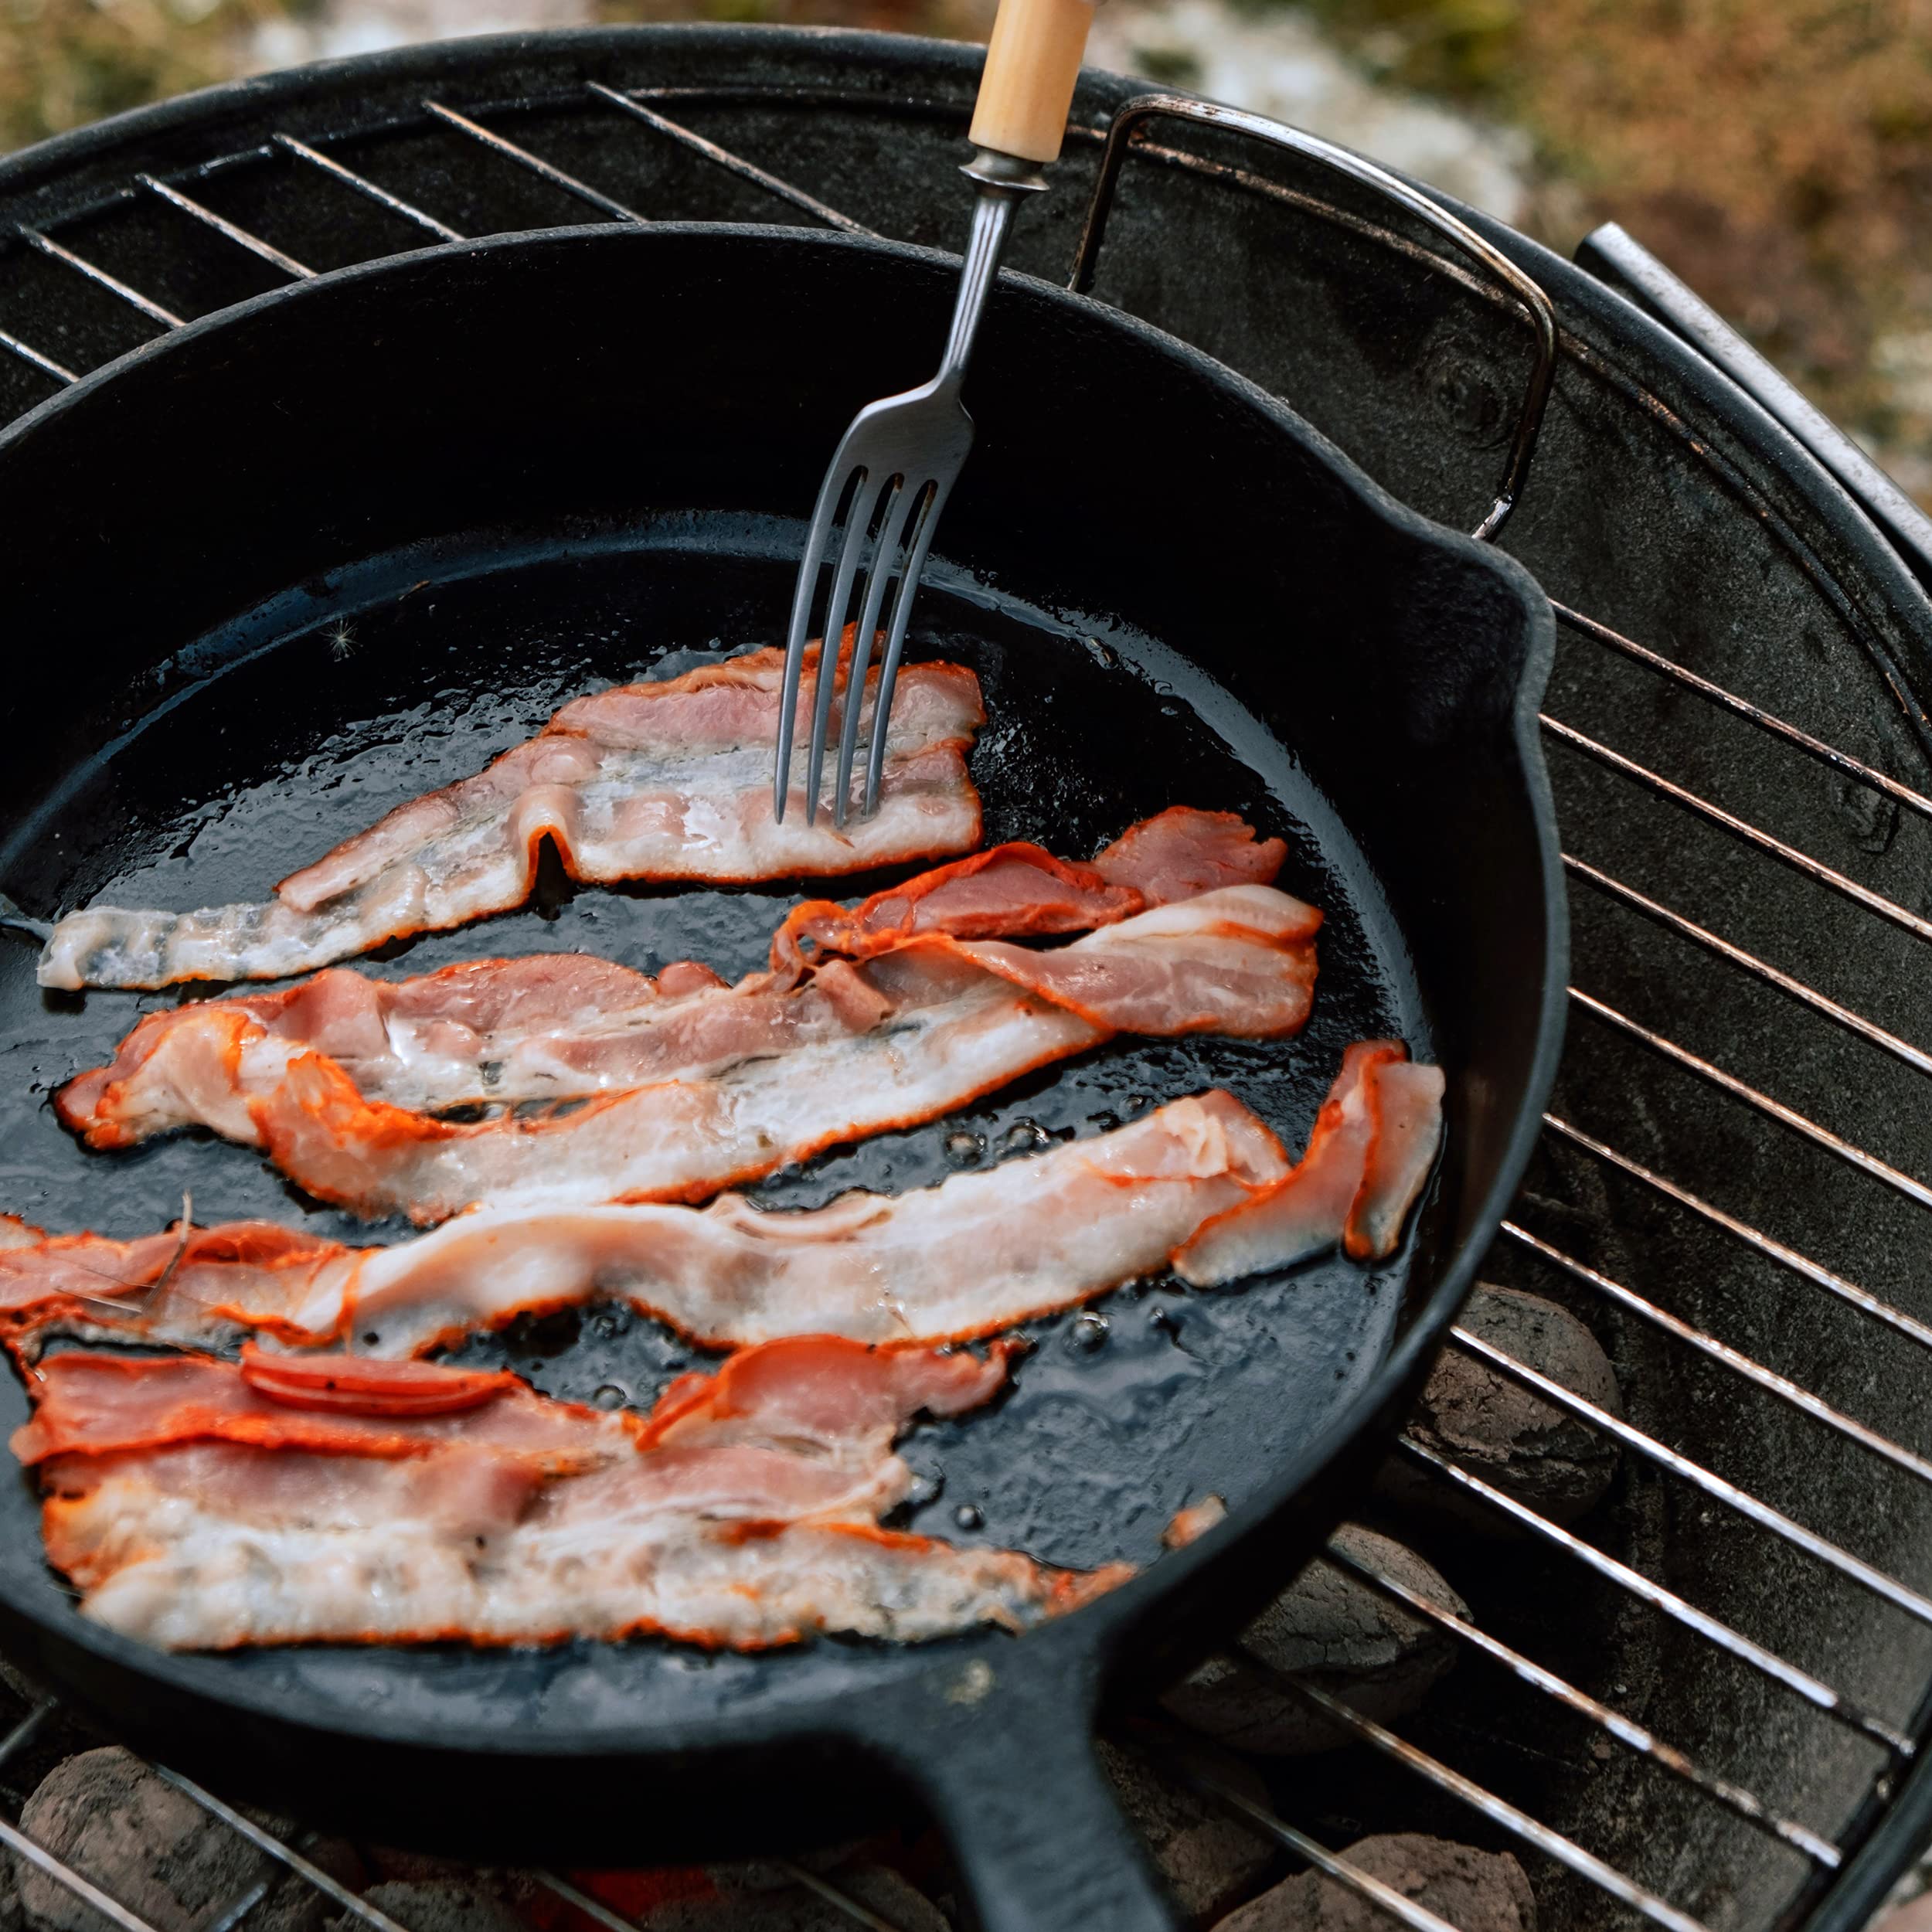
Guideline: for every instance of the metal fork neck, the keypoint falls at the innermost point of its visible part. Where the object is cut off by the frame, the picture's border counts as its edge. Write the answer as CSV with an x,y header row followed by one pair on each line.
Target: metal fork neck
x,y
1000,180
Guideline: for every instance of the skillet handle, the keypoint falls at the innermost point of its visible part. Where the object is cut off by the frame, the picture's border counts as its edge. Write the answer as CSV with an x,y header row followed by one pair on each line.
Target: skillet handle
x,y
1002,1753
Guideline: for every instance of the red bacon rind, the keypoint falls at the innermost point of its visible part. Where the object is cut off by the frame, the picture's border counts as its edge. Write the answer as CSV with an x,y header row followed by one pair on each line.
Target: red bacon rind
x,y
97,1405
1010,891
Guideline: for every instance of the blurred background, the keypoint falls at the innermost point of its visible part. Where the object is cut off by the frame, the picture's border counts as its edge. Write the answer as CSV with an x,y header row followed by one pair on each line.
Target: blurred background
x,y
1778,153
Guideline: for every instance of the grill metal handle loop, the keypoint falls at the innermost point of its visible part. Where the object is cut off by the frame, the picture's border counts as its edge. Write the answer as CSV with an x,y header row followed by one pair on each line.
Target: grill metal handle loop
x,y
1133,114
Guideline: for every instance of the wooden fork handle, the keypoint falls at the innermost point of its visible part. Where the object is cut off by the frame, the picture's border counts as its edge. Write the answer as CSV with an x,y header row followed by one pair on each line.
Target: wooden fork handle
x,y
1032,63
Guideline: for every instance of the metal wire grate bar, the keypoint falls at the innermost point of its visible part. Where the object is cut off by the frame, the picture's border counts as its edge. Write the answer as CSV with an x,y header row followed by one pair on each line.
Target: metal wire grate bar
x,y
1862,1299
267,252
1715,1486
591,1908
1761,1103
1402,1911
368,189
242,1907
100,278
1753,1371
1766,1663
723,157
833,1896
286,1855
1497,1811
1826,754
34,359
37,1855
535,163
1742,829
1635,1737
1867,1030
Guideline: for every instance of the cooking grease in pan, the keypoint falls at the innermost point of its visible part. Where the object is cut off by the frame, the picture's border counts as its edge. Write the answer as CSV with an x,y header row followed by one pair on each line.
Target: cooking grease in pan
x,y
412,674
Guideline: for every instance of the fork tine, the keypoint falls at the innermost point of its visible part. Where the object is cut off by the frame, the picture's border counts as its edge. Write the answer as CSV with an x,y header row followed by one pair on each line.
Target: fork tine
x,y
830,493
900,508
932,494
865,506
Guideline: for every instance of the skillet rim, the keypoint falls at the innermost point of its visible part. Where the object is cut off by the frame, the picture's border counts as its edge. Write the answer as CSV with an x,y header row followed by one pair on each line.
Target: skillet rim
x,y
1068,1650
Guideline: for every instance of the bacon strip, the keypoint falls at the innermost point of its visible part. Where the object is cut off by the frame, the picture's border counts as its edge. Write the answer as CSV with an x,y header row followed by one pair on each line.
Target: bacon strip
x,y
743,1511
1020,889
96,1405
1043,1234
1374,1143
1180,853
550,1026
945,1022
190,1287
565,1026
665,780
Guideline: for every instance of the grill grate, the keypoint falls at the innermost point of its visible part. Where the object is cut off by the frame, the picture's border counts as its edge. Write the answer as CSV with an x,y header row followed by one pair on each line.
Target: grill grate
x,y
281,174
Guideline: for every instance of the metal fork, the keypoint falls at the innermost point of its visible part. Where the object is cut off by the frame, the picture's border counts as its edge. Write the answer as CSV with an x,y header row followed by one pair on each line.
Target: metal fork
x,y
895,467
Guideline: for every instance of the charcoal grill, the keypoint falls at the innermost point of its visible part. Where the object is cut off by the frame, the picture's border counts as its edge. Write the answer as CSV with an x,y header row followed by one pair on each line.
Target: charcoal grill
x,y
1705,1705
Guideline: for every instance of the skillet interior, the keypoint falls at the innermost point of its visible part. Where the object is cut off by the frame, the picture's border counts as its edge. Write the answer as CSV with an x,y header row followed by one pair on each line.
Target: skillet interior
x,y
342,546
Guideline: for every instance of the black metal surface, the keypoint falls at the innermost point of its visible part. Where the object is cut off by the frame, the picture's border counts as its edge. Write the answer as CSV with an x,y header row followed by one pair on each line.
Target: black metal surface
x,y
577,450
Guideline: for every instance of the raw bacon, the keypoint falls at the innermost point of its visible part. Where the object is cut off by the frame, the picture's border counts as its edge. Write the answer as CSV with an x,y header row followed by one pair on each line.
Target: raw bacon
x,y
660,781
1020,890
190,1287
943,1021
550,1026
95,1405
1043,1233
1181,852
743,1511
1374,1143
565,1026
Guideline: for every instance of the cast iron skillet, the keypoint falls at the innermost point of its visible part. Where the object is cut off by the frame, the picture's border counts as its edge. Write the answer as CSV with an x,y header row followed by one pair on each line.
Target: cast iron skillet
x,y
289,566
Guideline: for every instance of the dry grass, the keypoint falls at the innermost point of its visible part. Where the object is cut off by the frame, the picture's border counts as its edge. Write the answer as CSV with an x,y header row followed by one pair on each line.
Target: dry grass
x,y
1778,153
65,62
